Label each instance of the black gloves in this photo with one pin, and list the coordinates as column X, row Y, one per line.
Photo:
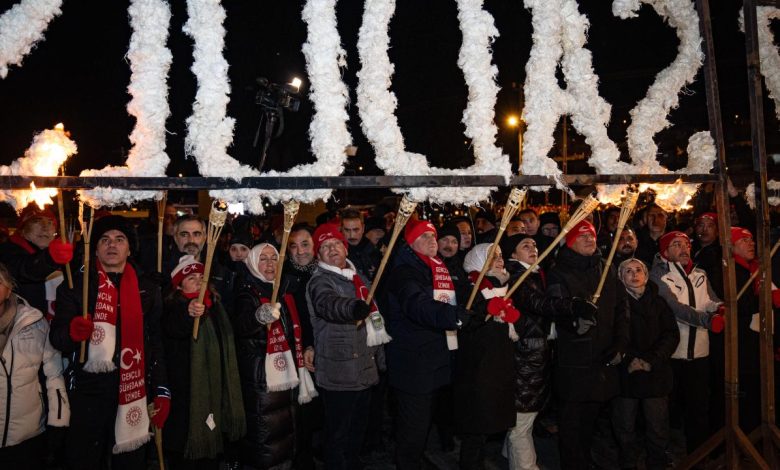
column 583, row 308
column 464, row 317
column 360, row 310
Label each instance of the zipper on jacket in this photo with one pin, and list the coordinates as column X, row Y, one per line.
column 59, row 404
column 692, row 303
column 8, row 396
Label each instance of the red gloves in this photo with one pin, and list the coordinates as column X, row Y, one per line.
column 61, row 252
column 498, row 307
column 81, row 328
column 162, row 406
column 776, row 298
column 717, row 323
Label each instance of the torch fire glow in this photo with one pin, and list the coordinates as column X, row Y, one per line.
column 47, row 153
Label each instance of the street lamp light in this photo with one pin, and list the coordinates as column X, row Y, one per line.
column 515, row 121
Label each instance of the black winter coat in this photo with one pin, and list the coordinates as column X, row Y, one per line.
column 270, row 436
column 418, row 360
column 177, row 338
column 532, row 353
column 710, row 259
column 69, row 302
column 581, row 372
column 654, row 337
column 366, row 258
column 30, row 271
column 483, row 383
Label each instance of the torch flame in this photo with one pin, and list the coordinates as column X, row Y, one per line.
column 672, row 197
column 47, row 153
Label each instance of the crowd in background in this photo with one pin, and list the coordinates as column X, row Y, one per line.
column 306, row 367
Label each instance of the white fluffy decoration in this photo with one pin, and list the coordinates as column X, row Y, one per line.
column 648, row 117
column 44, row 157
column 21, row 27
column 559, row 36
column 773, row 197
column 150, row 61
column 210, row 131
column 377, row 104
column 768, row 53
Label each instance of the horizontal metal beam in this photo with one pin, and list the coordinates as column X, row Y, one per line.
column 329, row 182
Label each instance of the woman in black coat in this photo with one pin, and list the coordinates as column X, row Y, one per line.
column 483, row 385
column 532, row 354
column 646, row 372
column 270, row 438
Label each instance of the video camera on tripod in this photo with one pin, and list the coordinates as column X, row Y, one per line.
column 273, row 99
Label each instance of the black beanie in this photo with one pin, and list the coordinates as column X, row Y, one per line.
column 113, row 222
column 508, row 244
column 448, row 229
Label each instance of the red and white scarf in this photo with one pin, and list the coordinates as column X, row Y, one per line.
column 376, row 334
column 131, row 428
column 753, row 266
column 443, row 290
column 281, row 371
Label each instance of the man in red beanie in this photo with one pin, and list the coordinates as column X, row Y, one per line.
column 36, row 257
column 697, row 309
column 586, row 376
column 423, row 314
column 348, row 338
column 748, row 326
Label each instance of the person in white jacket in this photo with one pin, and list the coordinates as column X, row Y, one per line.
column 697, row 309
column 24, row 349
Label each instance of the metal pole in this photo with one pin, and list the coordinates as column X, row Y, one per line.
column 724, row 225
column 766, row 354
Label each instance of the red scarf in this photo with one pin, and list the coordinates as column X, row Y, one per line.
column 361, row 291
column 22, row 242
column 443, row 287
column 752, row 267
column 279, row 371
column 131, row 427
column 194, row 295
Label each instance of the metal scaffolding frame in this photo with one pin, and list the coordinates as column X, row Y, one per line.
column 734, row 439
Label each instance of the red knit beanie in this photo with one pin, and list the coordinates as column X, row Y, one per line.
column 708, row 215
column 738, row 233
column 666, row 240
column 324, row 233
column 415, row 228
column 187, row 265
column 32, row 211
column 579, row 229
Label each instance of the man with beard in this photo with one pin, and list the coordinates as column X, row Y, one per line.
column 189, row 238
column 585, row 375
column 362, row 252
column 626, row 247
column 697, row 309
column 485, row 225
column 654, row 227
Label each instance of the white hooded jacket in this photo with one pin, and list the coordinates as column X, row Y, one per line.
column 22, row 412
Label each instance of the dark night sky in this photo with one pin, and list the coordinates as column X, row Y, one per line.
column 78, row 75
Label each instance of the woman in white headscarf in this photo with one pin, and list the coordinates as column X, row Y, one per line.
column 270, row 357
column 483, row 387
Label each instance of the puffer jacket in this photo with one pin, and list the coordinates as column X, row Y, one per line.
column 693, row 302
column 654, row 337
column 532, row 353
column 270, row 432
column 22, row 411
column 581, row 371
column 483, row 383
column 343, row 359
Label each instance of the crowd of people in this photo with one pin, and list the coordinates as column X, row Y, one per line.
column 236, row 370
